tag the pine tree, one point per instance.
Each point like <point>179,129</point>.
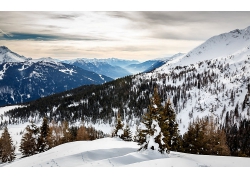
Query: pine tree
<point>29,141</point>
<point>119,127</point>
<point>172,130</point>
<point>154,135</point>
<point>126,136</point>
<point>203,137</point>
<point>136,136</point>
<point>7,147</point>
<point>43,144</point>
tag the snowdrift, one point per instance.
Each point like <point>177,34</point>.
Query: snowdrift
<point>113,152</point>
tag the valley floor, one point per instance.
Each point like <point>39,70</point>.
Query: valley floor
<point>109,152</point>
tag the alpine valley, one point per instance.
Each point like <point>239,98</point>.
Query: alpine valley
<point>210,81</point>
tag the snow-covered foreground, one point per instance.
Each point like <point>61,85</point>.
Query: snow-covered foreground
<point>109,152</point>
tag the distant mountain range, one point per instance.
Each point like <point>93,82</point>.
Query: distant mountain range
<point>146,66</point>
<point>23,79</point>
<point>115,68</point>
<point>101,66</point>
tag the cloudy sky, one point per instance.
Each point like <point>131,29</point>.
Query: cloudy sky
<point>140,35</point>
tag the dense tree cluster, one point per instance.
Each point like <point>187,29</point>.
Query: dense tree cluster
<point>36,140</point>
<point>203,137</point>
<point>160,130</point>
<point>120,131</point>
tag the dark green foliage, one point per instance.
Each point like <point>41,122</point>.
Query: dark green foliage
<point>116,94</point>
<point>29,144</point>
<point>127,135</point>
<point>43,144</point>
<point>203,137</point>
<point>7,149</point>
<point>159,118</point>
<point>238,139</point>
<point>119,126</point>
<point>174,142</point>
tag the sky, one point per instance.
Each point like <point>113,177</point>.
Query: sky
<point>140,35</point>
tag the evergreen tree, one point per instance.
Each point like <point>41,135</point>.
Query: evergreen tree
<point>136,136</point>
<point>126,136</point>
<point>170,126</point>
<point>29,141</point>
<point>43,144</point>
<point>203,137</point>
<point>7,147</point>
<point>154,135</point>
<point>119,127</point>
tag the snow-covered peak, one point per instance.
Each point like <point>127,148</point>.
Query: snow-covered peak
<point>6,55</point>
<point>47,59</point>
<point>226,45</point>
<point>222,45</point>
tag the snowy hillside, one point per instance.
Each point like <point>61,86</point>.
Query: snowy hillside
<point>7,55</point>
<point>220,46</point>
<point>110,152</point>
<point>214,76</point>
<point>29,80</point>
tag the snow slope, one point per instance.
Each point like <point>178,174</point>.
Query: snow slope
<point>109,152</point>
<point>220,46</point>
<point>7,55</point>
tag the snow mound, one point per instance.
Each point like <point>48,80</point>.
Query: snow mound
<point>109,152</point>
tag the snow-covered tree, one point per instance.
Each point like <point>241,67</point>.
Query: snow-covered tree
<point>7,148</point>
<point>155,131</point>
<point>118,131</point>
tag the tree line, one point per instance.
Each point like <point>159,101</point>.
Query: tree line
<point>40,139</point>
<point>159,131</point>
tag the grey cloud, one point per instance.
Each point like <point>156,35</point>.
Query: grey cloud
<point>46,37</point>
<point>187,25</point>
<point>64,16</point>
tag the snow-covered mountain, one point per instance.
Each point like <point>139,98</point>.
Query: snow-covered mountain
<point>220,46</point>
<point>23,79</point>
<point>211,80</point>
<point>47,59</point>
<point>146,66</point>
<point>111,61</point>
<point>7,55</point>
<point>100,67</point>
